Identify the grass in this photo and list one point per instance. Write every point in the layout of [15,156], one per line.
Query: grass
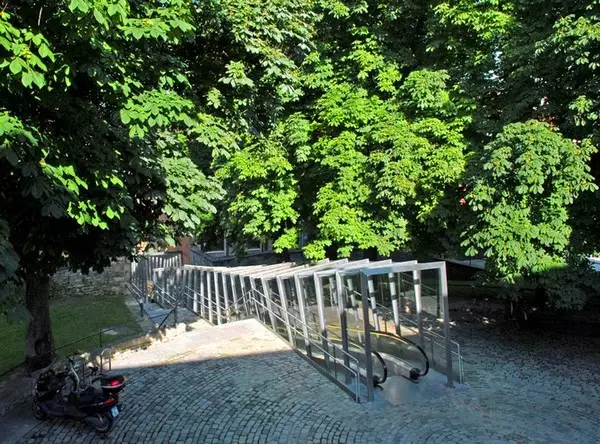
[72,319]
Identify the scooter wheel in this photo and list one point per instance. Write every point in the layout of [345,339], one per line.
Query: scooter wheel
[103,424]
[38,412]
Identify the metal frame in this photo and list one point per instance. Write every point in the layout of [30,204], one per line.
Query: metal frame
[216,293]
[366,279]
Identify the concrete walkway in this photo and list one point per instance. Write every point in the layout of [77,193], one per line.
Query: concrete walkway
[240,383]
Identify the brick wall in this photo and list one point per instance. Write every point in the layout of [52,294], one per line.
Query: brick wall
[112,280]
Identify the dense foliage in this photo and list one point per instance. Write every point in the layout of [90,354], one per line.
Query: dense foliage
[366,157]
[453,127]
[105,105]
[449,126]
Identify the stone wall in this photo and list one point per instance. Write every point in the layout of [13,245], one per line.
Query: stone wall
[113,279]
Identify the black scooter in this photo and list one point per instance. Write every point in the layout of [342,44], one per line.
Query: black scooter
[96,408]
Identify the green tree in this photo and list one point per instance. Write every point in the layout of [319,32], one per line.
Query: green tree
[95,118]
[527,179]
[519,61]
[366,159]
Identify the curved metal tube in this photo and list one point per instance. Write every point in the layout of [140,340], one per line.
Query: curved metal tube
[376,380]
[407,341]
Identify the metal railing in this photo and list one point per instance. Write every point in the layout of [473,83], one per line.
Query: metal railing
[315,334]
[410,324]
[217,309]
[431,336]
[158,293]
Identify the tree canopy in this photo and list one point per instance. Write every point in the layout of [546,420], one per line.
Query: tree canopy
[105,105]
[446,126]
[453,127]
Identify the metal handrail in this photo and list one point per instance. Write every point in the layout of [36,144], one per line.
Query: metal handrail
[326,353]
[202,303]
[303,324]
[423,286]
[299,321]
[386,311]
[221,309]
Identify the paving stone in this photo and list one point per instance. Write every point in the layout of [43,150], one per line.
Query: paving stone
[239,383]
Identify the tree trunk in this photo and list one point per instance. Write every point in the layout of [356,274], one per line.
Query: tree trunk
[39,342]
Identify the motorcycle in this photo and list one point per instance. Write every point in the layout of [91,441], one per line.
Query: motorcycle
[97,408]
[110,385]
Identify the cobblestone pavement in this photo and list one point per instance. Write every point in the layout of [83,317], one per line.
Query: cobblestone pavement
[239,383]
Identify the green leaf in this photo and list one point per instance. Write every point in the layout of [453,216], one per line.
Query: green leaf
[11,156]
[27,79]
[99,17]
[110,213]
[38,79]
[125,118]
[16,66]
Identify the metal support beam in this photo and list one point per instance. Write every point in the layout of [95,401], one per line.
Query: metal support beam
[343,316]
[195,275]
[225,296]
[203,294]
[234,294]
[284,305]
[448,342]
[217,297]
[209,292]
[332,291]
[302,307]
[395,304]
[364,286]
[350,286]
[268,295]
[322,317]
[244,293]
[373,299]
[418,304]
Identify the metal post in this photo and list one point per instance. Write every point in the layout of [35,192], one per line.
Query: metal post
[395,305]
[203,293]
[209,296]
[364,286]
[189,283]
[332,292]
[234,294]
[225,296]
[195,288]
[342,297]
[178,284]
[322,317]
[444,296]
[401,293]
[350,286]
[373,299]
[244,294]
[217,297]
[164,287]
[259,307]
[267,292]
[302,309]
[418,303]
[283,298]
